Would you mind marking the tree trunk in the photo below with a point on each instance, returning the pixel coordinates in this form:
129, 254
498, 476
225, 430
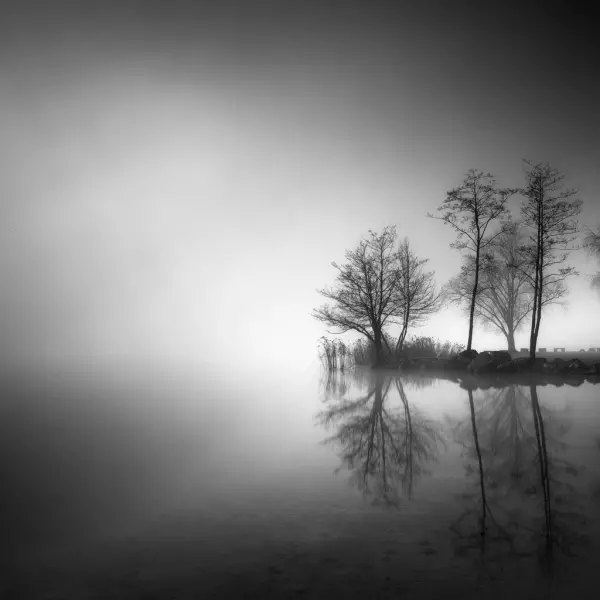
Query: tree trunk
473, 300
543, 460
538, 318
532, 336
378, 346
402, 337
510, 338
537, 288
480, 461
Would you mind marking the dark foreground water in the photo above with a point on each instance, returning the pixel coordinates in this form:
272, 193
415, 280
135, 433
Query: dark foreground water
145, 482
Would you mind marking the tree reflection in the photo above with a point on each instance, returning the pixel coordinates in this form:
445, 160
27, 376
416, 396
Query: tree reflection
421, 380
516, 445
564, 518
480, 503
384, 446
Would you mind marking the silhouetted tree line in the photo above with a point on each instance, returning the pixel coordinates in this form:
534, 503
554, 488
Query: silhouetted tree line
510, 272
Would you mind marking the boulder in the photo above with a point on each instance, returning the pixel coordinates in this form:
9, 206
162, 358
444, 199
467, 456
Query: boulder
556, 366
523, 364
515, 365
482, 361
501, 356
576, 366
470, 354
489, 361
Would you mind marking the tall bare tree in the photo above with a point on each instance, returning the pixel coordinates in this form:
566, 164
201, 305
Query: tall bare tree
591, 243
504, 298
470, 210
417, 295
549, 212
364, 297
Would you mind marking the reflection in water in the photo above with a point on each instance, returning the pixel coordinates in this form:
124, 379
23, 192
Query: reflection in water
481, 502
145, 480
335, 383
421, 380
564, 511
524, 499
385, 446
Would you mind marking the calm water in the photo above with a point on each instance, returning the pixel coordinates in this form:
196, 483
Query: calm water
138, 481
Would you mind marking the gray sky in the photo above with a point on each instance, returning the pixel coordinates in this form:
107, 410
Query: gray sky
176, 179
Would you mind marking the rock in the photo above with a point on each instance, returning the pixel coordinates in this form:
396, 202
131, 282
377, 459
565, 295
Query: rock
538, 365
523, 364
489, 360
514, 366
471, 354
482, 361
576, 365
556, 366
501, 356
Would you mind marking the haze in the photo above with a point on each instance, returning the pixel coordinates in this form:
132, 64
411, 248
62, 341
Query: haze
176, 180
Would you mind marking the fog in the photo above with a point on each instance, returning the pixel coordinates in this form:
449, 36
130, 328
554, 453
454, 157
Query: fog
175, 183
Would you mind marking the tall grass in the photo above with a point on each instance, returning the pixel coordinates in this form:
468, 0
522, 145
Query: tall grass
334, 354
431, 347
363, 352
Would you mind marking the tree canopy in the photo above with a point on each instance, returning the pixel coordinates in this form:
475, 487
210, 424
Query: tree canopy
471, 209
548, 211
365, 295
504, 298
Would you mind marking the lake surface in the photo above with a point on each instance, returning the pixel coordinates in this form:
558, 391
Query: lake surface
147, 482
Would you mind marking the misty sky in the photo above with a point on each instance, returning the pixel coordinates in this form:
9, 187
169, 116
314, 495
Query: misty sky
177, 179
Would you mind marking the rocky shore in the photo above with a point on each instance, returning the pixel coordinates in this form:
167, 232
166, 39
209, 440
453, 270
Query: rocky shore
500, 364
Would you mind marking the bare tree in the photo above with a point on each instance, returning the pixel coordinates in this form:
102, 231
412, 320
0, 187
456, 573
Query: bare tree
504, 298
548, 211
470, 209
417, 295
591, 243
365, 295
